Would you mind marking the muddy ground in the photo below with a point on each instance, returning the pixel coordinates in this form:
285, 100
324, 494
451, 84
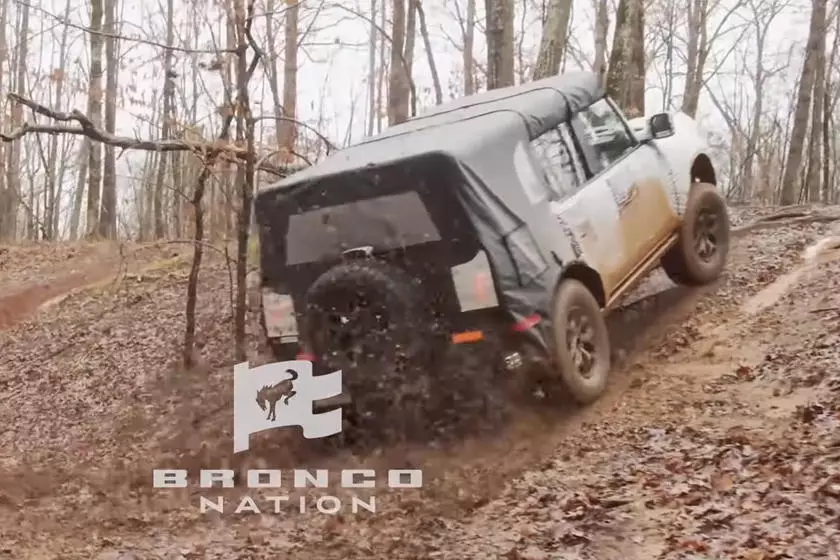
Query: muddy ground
718, 437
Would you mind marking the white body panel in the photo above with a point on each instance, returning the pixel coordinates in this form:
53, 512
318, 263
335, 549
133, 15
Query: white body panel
679, 150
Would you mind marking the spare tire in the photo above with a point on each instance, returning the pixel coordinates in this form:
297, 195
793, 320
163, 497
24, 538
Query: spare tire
367, 318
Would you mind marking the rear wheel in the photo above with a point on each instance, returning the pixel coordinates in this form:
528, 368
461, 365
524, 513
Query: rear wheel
700, 254
581, 342
367, 318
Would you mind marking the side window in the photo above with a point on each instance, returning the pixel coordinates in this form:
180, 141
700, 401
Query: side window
558, 159
605, 133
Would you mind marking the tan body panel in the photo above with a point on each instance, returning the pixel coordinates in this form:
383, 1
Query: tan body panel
647, 222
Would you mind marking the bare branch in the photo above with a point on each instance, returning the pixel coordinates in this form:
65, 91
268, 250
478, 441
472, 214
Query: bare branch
220, 148
90, 31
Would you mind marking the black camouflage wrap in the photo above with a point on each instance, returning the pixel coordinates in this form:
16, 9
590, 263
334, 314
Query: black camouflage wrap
482, 134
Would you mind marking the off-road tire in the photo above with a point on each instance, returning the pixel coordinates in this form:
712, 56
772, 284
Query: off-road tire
685, 262
388, 382
381, 285
572, 302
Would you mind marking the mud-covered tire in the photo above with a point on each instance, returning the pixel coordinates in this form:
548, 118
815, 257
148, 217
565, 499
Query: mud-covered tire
383, 359
383, 292
581, 342
700, 254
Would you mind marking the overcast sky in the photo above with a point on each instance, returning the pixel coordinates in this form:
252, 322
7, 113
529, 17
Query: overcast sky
333, 61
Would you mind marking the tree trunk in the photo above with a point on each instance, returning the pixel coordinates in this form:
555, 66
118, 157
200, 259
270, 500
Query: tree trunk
95, 115
553, 42
108, 217
5, 196
246, 174
372, 70
13, 168
55, 181
500, 52
79, 194
626, 76
290, 64
380, 79
602, 26
398, 90
826, 152
469, 46
430, 55
813, 178
758, 107
166, 122
803, 104
271, 70
696, 53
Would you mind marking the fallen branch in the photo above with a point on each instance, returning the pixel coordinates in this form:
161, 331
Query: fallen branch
221, 148
763, 224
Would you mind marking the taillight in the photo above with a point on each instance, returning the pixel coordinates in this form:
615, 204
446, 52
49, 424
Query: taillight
279, 314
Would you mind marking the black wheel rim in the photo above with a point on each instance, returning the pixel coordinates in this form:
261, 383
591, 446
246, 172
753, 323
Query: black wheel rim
708, 234
581, 342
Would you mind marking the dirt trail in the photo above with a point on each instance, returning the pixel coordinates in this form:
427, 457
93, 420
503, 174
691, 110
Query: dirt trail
21, 296
36, 276
717, 438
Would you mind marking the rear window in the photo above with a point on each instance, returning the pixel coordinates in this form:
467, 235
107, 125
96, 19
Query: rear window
384, 222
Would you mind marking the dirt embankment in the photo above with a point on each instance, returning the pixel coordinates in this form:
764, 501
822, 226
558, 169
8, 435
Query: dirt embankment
716, 440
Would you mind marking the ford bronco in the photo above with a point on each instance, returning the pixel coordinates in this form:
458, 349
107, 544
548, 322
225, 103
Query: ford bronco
503, 224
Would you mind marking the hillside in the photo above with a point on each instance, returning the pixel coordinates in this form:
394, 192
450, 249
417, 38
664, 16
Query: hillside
718, 437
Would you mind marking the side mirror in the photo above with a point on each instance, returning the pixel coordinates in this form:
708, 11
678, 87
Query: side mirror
661, 125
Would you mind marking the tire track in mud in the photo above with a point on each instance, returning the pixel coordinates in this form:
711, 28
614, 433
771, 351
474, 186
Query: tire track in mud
665, 362
680, 377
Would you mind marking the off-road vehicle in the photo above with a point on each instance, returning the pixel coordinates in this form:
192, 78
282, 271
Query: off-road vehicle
503, 225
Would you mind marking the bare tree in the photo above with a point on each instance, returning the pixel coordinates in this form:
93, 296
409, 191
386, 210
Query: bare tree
158, 202
813, 177
430, 55
55, 180
288, 133
500, 43
13, 165
398, 83
602, 25
371, 77
803, 103
94, 113
8, 214
696, 53
553, 42
108, 216
469, 40
626, 76
763, 16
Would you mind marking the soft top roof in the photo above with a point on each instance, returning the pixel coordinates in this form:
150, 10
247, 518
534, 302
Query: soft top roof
463, 126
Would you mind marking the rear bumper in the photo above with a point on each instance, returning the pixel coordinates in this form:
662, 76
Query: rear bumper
480, 339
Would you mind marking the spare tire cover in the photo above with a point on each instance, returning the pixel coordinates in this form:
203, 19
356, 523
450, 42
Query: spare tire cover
364, 314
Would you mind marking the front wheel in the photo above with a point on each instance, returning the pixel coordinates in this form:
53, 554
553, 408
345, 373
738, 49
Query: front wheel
700, 254
581, 342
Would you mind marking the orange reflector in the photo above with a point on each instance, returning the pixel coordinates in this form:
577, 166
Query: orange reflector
469, 336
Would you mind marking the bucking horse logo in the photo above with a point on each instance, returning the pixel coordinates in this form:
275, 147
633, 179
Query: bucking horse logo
272, 393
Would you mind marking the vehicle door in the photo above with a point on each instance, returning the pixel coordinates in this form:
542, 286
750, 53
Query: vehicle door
586, 211
637, 178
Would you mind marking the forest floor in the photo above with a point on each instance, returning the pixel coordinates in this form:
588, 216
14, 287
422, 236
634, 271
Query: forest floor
718, 437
